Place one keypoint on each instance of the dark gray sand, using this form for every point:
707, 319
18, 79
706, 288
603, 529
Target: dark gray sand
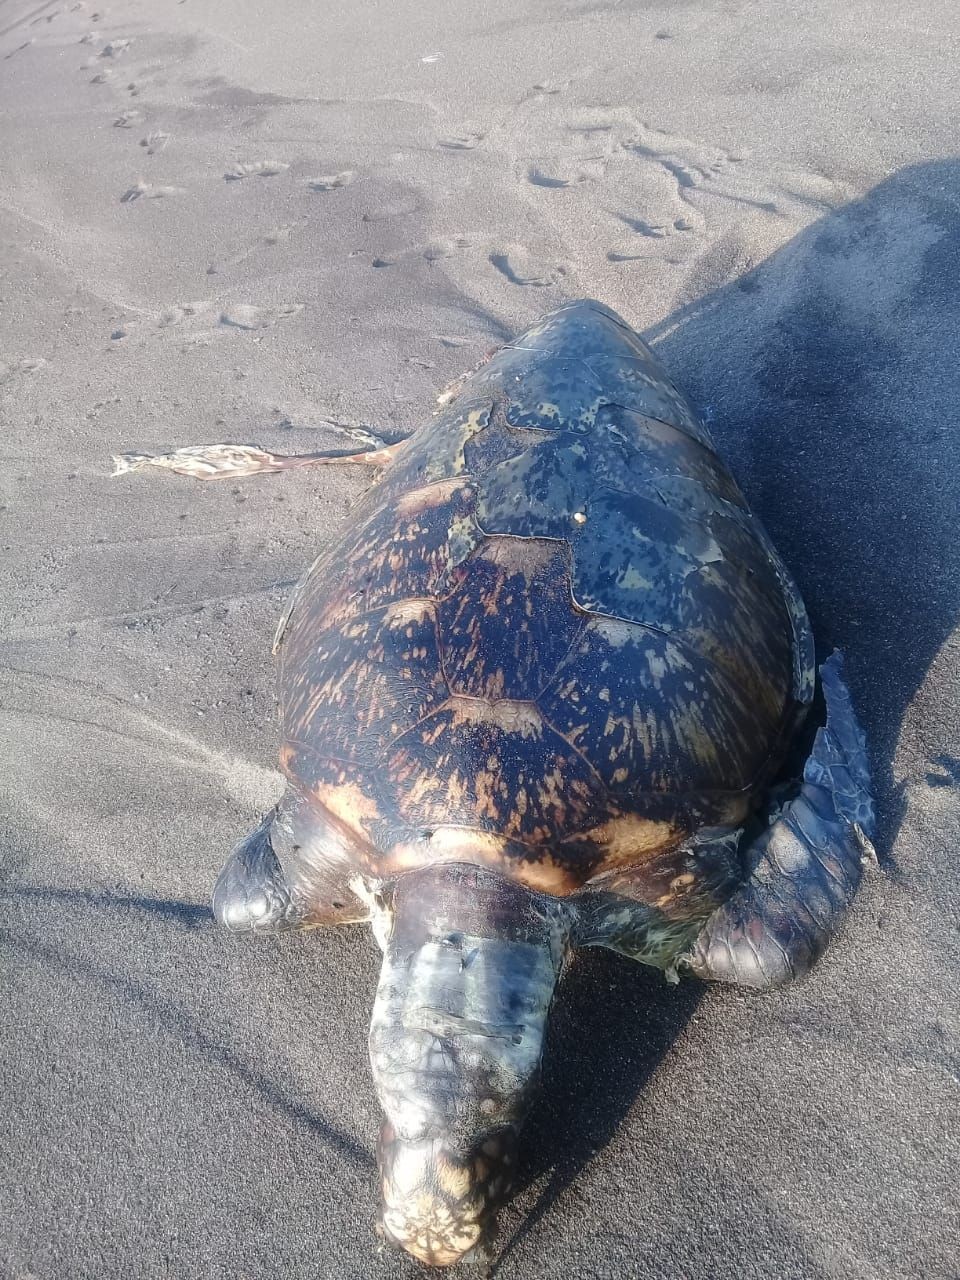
250, 222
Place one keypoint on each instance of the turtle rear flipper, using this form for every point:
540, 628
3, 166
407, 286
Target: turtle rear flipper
806, 865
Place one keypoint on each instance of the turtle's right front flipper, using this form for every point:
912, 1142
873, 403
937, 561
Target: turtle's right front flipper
290, 873
806, 866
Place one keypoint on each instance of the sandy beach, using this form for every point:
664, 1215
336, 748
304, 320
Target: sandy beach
269, 224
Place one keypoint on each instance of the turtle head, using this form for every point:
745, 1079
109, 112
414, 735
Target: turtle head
440, 1199
470, 966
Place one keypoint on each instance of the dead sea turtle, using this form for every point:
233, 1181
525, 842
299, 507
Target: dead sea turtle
533, 699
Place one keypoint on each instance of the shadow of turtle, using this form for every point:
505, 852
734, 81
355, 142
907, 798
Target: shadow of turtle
825, 376
190, 915
612, 1023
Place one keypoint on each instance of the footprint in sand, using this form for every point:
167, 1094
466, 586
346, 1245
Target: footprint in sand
452, 340
693, 167
240, 315
653, 230
331, 181
440, 249
185, 311
29, 364
540, 179
543, 89
148, 191
468, 142
948, 772
520, 268
259, 169
155, 142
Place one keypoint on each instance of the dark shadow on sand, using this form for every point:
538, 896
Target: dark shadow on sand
185, 913
825, 375
829, 376
186, 1029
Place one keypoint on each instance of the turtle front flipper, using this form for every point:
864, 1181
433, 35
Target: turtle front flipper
290, 873
805, 867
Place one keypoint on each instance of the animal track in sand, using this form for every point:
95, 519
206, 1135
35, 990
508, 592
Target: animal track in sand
520, 269
452, 340
241, 315
543, 89
653, 230
694, 168
949, 772
540, 179
155, 142
278, 235
468, 142
28, 364
148, 191
331, 182
259, 169
440, 249
176, 315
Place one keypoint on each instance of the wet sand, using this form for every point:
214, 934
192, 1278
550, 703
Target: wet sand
274, 224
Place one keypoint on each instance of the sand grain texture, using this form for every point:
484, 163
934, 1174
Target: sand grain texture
246, 222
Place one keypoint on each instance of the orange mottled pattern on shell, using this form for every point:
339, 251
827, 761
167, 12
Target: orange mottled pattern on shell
553, 640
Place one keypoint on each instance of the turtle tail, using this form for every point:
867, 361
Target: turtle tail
469, 969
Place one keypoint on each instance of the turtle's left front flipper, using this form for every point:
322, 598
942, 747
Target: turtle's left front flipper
806, 866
